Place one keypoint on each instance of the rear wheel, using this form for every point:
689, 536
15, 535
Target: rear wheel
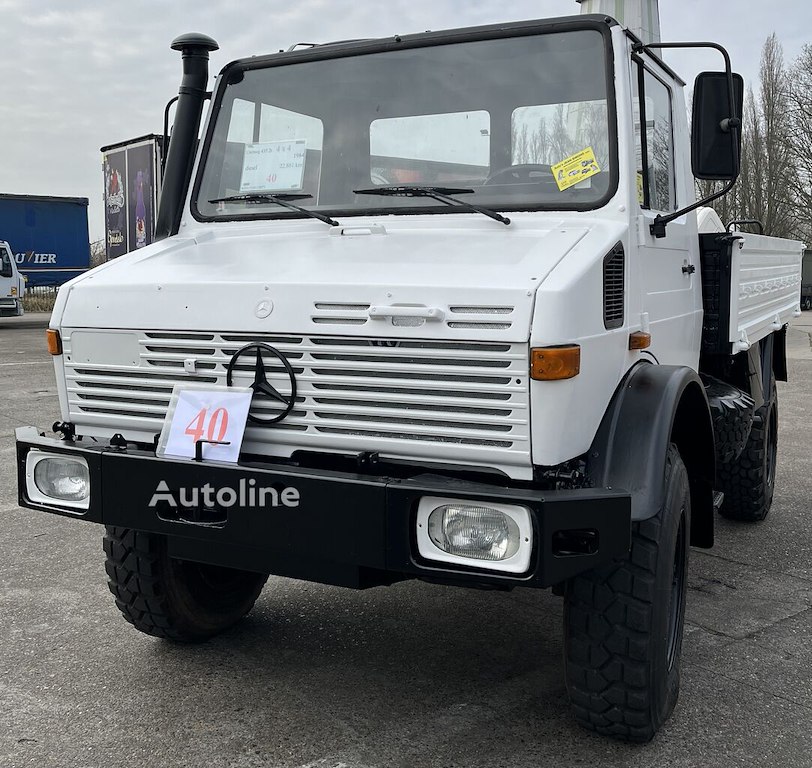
623, 624
174, 599
749, 482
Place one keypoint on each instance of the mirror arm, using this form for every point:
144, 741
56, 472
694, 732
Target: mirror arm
660, 222
730, 125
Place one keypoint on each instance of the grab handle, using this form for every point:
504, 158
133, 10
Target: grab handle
426, 313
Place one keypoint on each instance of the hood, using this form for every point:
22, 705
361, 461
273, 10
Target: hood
461, 278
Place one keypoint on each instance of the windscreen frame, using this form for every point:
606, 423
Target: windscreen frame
233, 73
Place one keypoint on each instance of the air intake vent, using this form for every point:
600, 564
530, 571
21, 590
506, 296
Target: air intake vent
614, 281
340, 313
481, 318
482, 310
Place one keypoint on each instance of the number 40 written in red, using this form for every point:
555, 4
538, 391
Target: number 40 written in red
214, 427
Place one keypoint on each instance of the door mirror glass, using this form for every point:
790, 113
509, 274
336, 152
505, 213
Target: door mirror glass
714, 154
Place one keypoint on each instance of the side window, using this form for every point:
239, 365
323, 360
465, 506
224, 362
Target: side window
546, 134
451, 148
654, 145
270, 149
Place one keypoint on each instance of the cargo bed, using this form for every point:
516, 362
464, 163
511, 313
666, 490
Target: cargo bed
751, 287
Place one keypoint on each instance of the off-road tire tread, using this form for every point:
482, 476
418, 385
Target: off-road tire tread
732, 412
144, 583
743, 482
135, 564
608, 622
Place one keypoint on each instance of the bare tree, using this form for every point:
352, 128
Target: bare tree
98, 253
767, 188
775, 162
800, 136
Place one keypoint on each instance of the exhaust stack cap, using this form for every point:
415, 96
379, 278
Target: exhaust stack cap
194, 48
194, 40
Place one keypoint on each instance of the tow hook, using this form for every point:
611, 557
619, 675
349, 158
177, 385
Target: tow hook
66, 429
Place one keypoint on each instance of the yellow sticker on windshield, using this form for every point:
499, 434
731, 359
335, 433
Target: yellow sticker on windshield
575, 169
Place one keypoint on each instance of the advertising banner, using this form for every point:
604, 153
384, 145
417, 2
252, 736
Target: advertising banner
140, 170
131, 189
115, 202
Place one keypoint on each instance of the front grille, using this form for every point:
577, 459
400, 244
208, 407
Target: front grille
459, 402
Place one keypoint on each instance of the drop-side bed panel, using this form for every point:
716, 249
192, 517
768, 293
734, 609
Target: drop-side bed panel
766, 287
751, 287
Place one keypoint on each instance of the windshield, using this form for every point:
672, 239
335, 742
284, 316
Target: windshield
5, 263
523, 122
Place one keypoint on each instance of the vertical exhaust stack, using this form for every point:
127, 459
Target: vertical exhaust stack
195, 49
642, 17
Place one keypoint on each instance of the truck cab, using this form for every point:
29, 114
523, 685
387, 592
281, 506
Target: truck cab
488, 346
12, 284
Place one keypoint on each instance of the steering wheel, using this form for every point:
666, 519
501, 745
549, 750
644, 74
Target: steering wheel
525, 173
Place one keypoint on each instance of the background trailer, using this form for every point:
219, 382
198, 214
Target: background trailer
47, 235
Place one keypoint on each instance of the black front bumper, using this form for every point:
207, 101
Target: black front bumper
349, 529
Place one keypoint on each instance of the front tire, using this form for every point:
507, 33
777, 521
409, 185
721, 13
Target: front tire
623, 624
174, 599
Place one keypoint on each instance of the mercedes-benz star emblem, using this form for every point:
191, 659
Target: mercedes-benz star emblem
261, 385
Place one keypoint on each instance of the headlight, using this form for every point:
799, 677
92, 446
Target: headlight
58, 479
473, 531
498, 537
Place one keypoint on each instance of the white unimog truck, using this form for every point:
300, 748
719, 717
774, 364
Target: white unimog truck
488, 345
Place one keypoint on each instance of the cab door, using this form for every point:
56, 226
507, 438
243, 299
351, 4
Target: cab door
669, 265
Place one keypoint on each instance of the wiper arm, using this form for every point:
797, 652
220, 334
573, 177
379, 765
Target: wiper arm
443, 194
282, 199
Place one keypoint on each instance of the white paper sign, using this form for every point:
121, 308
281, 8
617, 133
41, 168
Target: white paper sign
205, 412
273, 166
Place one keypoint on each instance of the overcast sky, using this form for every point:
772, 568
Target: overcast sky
78, 75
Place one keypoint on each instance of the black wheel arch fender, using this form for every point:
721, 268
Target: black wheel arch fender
656, 405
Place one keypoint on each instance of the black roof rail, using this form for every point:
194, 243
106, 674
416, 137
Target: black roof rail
332, 42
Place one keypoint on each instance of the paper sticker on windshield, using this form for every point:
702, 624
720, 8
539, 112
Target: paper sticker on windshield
273, 166
575, 169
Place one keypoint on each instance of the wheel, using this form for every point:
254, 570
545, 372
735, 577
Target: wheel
749, 482
623, 624
526, 173
732, 412
174, 599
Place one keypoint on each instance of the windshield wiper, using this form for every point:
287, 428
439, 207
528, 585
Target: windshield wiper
282, 199
443, 194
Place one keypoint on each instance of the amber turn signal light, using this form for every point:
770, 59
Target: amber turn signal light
54, 341
555, 363
639, 340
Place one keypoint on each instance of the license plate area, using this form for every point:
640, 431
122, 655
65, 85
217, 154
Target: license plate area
297, 512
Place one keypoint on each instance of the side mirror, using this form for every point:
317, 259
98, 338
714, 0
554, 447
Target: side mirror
716, 134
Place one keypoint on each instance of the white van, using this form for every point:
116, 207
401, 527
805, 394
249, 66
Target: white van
12, 283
